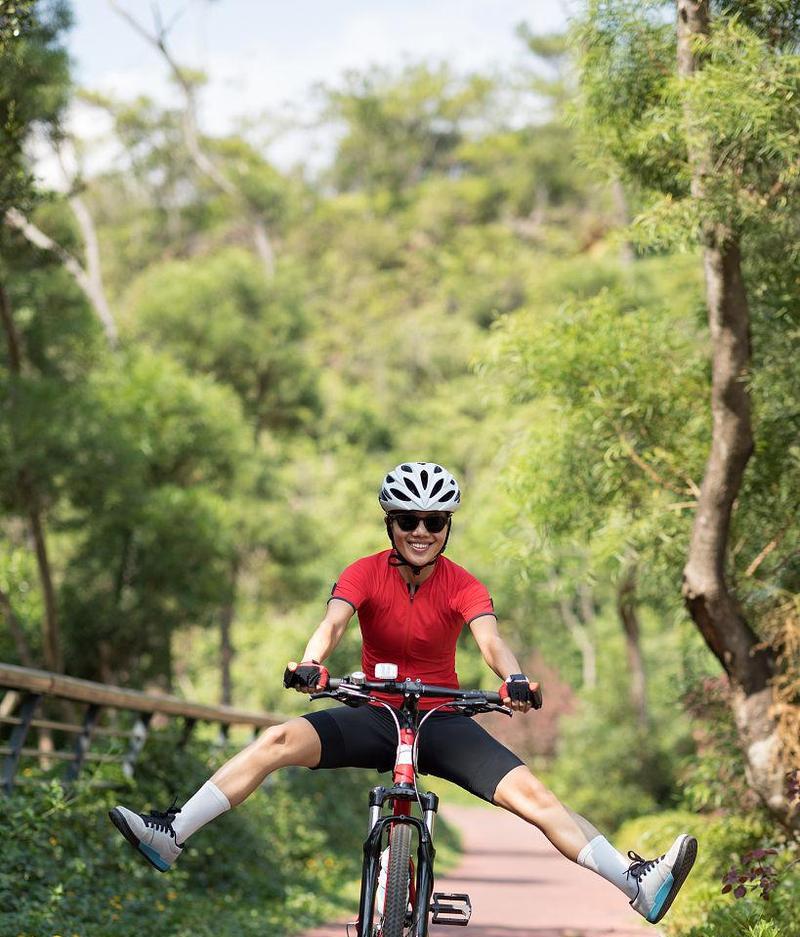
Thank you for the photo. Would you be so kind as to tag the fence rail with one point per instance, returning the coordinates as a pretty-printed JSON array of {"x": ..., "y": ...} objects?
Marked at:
[{"x": 27, "y": 691}]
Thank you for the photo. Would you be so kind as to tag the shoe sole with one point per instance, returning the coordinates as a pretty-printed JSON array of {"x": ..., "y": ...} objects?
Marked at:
[
  {"x": 683, "y": 866},
  {"x": 121, "y": 824}
]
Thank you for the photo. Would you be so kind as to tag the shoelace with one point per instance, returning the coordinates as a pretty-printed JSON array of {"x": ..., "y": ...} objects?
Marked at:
[
  {"x": 639, "y": 866},
  {"x": 162, "y": 820}
]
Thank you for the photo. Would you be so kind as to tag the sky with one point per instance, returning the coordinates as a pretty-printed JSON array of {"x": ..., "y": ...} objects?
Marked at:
[{"x": 267, "y": 55}]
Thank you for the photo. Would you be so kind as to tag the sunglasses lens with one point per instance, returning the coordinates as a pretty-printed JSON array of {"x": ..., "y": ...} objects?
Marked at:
[
  {"x": 406, "y": 522},
  {"x": 434, "y": 525},
  {"x": 409, "y": 522}
]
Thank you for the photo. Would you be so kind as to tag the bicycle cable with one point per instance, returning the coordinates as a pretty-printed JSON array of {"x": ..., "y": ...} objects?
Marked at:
[{"x": 415, "y": 749}]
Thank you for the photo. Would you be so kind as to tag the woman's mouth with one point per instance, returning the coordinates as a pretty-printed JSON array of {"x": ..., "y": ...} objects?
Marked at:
[{"x": 419, "y": 547}]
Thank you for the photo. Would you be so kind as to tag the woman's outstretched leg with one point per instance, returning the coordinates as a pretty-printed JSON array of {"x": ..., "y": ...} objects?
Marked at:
[
  {"x": 650, "y": 885},
  {"x": 160, "y": 836}
]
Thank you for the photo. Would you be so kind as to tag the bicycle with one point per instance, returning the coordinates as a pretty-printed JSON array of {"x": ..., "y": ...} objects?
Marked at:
[{"x": 397, "y": 895}]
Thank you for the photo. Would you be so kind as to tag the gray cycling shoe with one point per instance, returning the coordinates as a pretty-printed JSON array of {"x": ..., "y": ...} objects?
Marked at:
[
  {"x": 660, "y": 880},
  {"x": 151, "y": 834}
]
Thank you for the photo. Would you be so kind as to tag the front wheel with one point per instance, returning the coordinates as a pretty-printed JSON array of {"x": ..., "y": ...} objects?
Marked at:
[{"x": 397, "y": 881}]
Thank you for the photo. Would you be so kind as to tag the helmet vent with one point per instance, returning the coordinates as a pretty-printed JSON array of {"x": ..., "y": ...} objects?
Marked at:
[{"x": 421, "y": 486}]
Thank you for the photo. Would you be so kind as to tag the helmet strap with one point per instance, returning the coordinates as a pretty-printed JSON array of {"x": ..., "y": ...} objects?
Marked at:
[{"x": 395, "y": 557}]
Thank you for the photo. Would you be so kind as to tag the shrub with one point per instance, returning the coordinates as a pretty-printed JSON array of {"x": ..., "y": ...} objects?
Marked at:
[{"x": 271, "y": 867}]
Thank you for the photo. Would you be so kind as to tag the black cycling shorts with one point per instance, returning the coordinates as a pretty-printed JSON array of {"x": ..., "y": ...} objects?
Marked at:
[{"x": 451, "y": 746}]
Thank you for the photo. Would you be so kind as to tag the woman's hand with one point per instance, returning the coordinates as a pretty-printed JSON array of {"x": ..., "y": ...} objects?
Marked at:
[
  {"x": 520, "y": 694},
  {"x": 309, "y": 676}
]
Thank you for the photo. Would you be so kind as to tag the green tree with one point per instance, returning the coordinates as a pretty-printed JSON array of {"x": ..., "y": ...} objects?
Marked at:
[
  {"x": 33, "y": 92},
  {"x": 705, "y": 121},
  {"x": 400, "y": 129}
]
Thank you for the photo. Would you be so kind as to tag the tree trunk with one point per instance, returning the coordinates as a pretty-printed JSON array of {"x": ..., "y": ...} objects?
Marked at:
[
  {"x": 17, "y": 631},
  {"x": 52, "y": 629},
  {"x": 30, "y": 505},
  {"x": 708, "y": 599},
  {"x": 579, "y": 632},
  {"x": 620, "y": 200},
  {"x": 626, "y": 609},
  {"x": 227, "y": 652}
]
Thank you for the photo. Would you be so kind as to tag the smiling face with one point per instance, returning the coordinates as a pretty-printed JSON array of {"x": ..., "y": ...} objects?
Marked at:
[{"x": 420, "y": 545}]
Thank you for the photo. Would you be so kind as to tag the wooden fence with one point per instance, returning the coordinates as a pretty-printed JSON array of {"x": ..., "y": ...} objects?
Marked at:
[{"x": 58, "y": 708}]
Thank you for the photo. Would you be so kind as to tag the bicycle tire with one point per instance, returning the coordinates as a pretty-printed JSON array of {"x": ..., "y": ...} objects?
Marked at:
[{"x": 397, "y": 881}]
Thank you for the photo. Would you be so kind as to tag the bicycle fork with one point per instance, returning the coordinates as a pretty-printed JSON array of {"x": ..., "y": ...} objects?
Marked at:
[{"x": 373, "y": 849}]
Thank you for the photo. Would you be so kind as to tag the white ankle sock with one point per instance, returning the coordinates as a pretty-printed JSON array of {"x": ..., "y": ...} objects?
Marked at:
[
  {"x": 209, "y": 802},
  {"x": 601, "y": 857}
]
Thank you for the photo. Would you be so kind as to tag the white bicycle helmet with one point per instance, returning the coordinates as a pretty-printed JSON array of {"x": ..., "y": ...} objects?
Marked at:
[{"x": 419, "y": 486}]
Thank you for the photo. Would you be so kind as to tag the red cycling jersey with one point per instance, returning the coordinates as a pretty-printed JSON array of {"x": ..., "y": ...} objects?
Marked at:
[{"x": 419, "y": 632}]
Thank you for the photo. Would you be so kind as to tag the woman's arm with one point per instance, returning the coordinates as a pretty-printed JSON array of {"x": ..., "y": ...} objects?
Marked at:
[
  {"x": 498, "y": 654},
  {"x": 324, "y": 640},
  {"x": 494, "y": 649}
]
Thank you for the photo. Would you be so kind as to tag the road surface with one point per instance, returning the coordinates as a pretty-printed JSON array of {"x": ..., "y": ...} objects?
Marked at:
[{"x": 521, "y": 886}]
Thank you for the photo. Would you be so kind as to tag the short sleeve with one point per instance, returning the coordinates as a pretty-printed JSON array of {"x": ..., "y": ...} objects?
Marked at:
[
  {"x": 473, "y": 600},
  {"x": 352, "y": 585}
]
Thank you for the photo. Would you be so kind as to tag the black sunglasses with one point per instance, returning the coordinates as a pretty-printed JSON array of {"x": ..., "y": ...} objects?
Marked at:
[{"x": 434, "y": 523}]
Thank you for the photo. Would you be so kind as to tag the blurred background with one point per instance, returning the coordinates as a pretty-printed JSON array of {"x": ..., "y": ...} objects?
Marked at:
[{"x": 256, "y": 254}]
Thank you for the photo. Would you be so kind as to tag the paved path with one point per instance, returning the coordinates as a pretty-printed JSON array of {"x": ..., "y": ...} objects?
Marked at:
[{"x": 521, "y": 887}]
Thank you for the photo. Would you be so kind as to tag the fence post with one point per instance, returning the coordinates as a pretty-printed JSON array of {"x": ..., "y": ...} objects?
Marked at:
[
  {"x": 84, "y": 741},
  {"x": 18, "y": 736},
  {"x": 188, "y": 726},
  {"x": 138, "y": 738}
]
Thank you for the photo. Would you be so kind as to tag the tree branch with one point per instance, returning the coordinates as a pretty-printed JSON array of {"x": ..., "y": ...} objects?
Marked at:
[
  {"x": 90, "y": 284},
  {"x": 191, "y": 133},
  {"x": 648, "y": 469}
]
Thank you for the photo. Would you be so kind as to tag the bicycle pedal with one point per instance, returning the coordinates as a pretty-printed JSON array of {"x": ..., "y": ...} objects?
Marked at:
[{"x": 451, "y": 908}]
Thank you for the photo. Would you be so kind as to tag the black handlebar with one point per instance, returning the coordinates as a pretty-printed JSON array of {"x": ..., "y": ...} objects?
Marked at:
[{"x": 414, "y": 688}]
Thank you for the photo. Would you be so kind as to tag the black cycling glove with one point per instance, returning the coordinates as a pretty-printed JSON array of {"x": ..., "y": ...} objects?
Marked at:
[
  {"x": 518, "y": 688},
  {"x": 307, "y": 675}
]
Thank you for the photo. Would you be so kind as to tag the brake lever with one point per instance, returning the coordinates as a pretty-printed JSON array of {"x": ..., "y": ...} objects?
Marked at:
[
  {"x": 481, "y": 708},
  {"x": 349, "y": 698}
]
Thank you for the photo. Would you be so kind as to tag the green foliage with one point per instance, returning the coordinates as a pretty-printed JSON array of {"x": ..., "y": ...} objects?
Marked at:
[
  {"x": 34, "y": 83},
  {"x": 451, "y": 289},
  {"x": 398, "y": 131},
  {"x": 220, "y": 316},
  {"x": 275, "y": 865},
  {"x": 14, "y": 17},
  {"x": 604, "y": 467},
  {"x": 608, "y": 766}
]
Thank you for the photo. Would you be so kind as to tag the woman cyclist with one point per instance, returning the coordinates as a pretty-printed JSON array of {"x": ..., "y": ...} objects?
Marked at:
[{"x": 412, "y": 603}]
